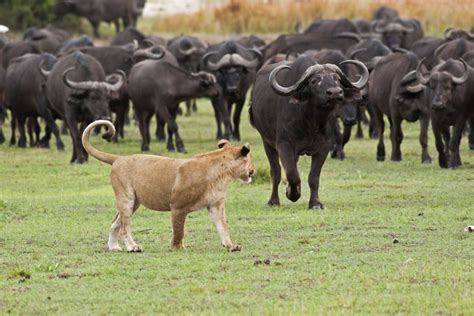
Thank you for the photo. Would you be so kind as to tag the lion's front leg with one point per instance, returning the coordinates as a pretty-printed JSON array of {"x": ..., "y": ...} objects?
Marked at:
[{"x": 218, "y": 217}]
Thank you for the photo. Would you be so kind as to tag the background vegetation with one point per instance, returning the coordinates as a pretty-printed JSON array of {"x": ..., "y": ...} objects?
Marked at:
[
  {"x": 390, "y": 240},
  {"x": 22, "y": 14},
  {"x": 281, "y": 16}
]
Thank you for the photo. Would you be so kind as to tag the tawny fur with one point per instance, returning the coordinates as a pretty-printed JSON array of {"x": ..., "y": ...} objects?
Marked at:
[{"x": 177, "y": 185}]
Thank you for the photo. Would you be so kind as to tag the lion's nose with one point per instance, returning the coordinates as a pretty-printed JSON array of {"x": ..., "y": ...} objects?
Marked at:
[{"x": 252, "y": 172}]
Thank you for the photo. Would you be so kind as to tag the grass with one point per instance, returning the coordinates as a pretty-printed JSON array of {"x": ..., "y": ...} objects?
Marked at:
[{"x": 390, "y": 240}]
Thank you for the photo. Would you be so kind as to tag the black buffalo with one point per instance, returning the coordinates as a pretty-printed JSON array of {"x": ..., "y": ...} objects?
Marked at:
[
  {"x": 161, "y": 95},
  {"x": 234, "y": 67},
  {"x": 399, "y": 33},
  {"x": 48, "y": 39},
  {"x": 395, "y": 92},
  {"x": 299, "y": 43},
  {"x": 188, "y": 51},
  {"x": 78, "y": 93},
  {"x": 26, "y": 98},
  {"x": 97, "y": 11},
  {"x": 330, "y": 27},
  {"x": 450, "y": 97},
  {"x": 291, "y": 110}
]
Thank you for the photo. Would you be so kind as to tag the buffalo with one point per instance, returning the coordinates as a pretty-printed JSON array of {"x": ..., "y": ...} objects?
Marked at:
[
  {"x": 161, "y": 95},
  {"x": 26, "y": 98},
  {"x": 78, "y": 93},
  {"x": 234, "y": 67},
  {"x": 98, "y": 11},
  {"x": 450, "y": 97},
  {"x": 395, "y": 92},
  {"x": 292, "y": 110}
]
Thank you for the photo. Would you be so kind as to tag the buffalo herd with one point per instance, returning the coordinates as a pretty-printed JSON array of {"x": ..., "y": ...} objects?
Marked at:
[{"x": 307, "y": 89}]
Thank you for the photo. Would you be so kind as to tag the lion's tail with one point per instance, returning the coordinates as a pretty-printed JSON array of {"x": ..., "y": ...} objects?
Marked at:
[{"x": 105, "y": 157}]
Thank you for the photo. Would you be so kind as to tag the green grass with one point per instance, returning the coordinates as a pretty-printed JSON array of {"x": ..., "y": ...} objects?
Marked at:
[{"x": 55, "y": 219}]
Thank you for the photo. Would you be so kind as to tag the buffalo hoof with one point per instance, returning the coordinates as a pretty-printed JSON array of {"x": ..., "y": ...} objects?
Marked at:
[
  {"x": 293, "y": 194},
  {"x": 380, "y": 158},
  {"x": 60, "y": 146},
  {"x": 396, "y": 159},
  {"x": 426, "y": 160},
  {"x": 182, "y": 150},
  {"x": 145, "y": 148},
  {"x": 21, "y": 144},
  {"x": 273, "y": 202},
  {"x": 359, "y": 135},
  {"x": 2, "y": 138},
  {"x": 171, "y": 149},
  {"x": 471, "y": 146},
  {"x": 316, "y": 206},
  {"x": 43, "y": 144}
]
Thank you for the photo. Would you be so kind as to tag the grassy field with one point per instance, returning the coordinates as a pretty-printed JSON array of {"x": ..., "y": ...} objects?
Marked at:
[{"x": 390, "y": 240}]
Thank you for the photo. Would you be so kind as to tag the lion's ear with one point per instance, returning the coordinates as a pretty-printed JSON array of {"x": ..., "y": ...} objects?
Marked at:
[
  {"x": 222, "y": 143},
  {"x": 245, "y": 150}
]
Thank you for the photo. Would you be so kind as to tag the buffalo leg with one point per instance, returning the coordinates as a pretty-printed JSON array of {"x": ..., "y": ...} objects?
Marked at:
[
  {"x": 3, "y": 113},
  {"x": 21, "y": 120},
  {"x": 381, "y": 127},
  {"x": 143, "y": 130},
  {"x": 170, "y": 120},
  {"x": 454, "y": 156},
  {"x": 317, "y": 162},
  {"x": 289, "y": 161},
  {"x": 424, "y": 124},
  {"x": 31, "y": 126},
  {"x": 471, "y": 133},
  {"x": 119, "y": 121},
  {"x": 13, "y": 129},
  {"x": 188, "y": 107},
  {"x": 337, "y": 152},
  {"x": 374, "y": 128},
  {"x": 95, "y": 27},
  {"x": 275, "y": 171},
  {"x": 194, "y": 107},
  {"x": 239, "y": 105},
  {"x": 396, "y": 136},
  {"x": 217, "y": 114},
  {"x": 42, "y": 105},
  {"x": 78, "y": 152},
  {"x": 440, "y": 146},
  {"x": 160, "y": 129}
]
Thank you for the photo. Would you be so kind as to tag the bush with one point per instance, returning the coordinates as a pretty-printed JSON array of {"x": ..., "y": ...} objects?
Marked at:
[{"x": 21, "y": 14}]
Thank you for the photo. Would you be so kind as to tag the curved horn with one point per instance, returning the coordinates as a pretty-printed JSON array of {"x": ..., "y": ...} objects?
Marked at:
[
  {"x": 206, "y": 57},
  {"x": 120, "y": 74},
  {"x": 355, "y": 52},
  {"x": 149, "y": 42},
  {"x": 419, "y": 75},
  {"x": 364, "y": 77},
  {"x": 149, "y": 53},
  {"x": 231, "y": 59},
  {"x": 300, "y": 83},
  {"x": 399, "y": 50},
  {"x": 83, "y": 85},
  {"x": 210, "y": 76},
  {"x": 186, "y": 52},
  {"x": 465, "y": 75},
  {"x": 377, "y": 28},
  {"x": 43, "y": 71},
  {"x": 350, "y": 35},
  {"x": 447, "y": 32},
  {"x": 409, "y": 77},
  {"x": 256, "y": 51}
]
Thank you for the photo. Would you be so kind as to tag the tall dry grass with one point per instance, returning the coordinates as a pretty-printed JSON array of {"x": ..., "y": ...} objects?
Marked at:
[{"x": 280, "y": 16}]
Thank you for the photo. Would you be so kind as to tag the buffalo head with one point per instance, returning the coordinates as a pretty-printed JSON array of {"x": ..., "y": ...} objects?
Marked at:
[
  {"x": 323, "y": 85},
  {"x": 93, "y": 96},
  {"x": 393, "y": 32},
  {"x": 442, "y": 82}
]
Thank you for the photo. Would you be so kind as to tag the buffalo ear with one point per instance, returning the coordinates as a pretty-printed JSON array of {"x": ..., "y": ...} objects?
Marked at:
[
  {"x": 245, "y": 150},
  {"x": 222, "y": 143},
  {"x": 352, "y": 94},
  {"x": 298, "y": 98}
]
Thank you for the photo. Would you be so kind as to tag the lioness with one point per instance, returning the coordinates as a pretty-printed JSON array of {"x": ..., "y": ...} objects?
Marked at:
[{"x": 177, "y": 185}]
